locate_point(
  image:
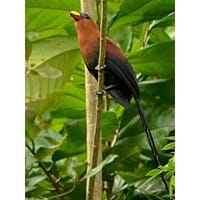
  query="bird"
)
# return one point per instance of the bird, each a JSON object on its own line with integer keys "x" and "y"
{"x": 120, "y": 80}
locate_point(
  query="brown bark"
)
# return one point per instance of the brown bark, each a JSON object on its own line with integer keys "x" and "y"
{"x": 89, "y": 6}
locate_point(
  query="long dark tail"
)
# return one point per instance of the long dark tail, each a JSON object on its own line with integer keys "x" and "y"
{"x": 150, "y": 139}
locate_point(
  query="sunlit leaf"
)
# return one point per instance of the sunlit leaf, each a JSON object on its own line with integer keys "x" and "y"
{"x": 139, "y": 11}
{"x": 109, "y": 159}
{"x": 155, "y": 59}
{"x": 28, "y": 48}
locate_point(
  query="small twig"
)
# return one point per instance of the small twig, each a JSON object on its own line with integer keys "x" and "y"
{"x": 115, "y": 137}
{"x": 98, "y": 14}
{"x": 50, "y": 177}
{"x": 108, "y": 189}
{"x": 147, "y": 33}
{"x": 101, "y": 61}
{"x": 65, "y": 193}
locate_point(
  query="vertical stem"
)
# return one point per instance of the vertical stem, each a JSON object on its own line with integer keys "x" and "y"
{"x": 106, "y": 104}
{"x": 100, "y": 92}
{"x": 146, "y": 34}
{"x": 90, "y": 7}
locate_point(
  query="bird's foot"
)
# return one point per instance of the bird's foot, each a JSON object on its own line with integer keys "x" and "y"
{"x": 100, "y": 93}
{"x": 100, "y": 69}
{"x": 109, "y": 87}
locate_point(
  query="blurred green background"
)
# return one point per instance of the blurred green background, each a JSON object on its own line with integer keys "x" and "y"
{"x": 55, "y": 102}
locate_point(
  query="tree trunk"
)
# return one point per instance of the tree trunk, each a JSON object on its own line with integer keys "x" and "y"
{"x": 90, "y": 7}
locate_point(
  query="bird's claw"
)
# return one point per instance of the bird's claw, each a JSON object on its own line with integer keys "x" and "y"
{"x": 109, "y": 87}
{"x": 98, "y": 69}
{"x": 100, "y": 92}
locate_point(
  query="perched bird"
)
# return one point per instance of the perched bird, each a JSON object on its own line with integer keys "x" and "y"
{"x": 119, "y": 78}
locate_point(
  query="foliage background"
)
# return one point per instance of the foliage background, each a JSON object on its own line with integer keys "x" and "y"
{"x": 55, "y": 102}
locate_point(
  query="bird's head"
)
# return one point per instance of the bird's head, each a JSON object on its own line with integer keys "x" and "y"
{"x": 78, "y": 16}
{"x": 84, "y": 24}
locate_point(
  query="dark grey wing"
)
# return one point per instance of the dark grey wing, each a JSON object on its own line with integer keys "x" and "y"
{"x": 124, "y": 72}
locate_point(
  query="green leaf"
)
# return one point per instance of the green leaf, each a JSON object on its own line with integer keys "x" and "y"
{"x": 49, "y": 14}
{"x": 109, "y": 159}
{"x": 171, "y": 185}
{"x": 38, "y": 107}
{"x": 130, "y": 176}
{"x": 46, "y": 49}
{"x": 72, "y": 167}
{"x": 159, "y": 35}
{"x": 158, "y": 91}
{"x": 154, "y": 172}
{"x": 28, "y": 48}
{"x": 140, "y": 32}
{"x": 48, "y": 72}
{"x": 157, "y": 59}
{"x": 68, "y": 166}
{"x": 74, "y": 143}
{"x": 45, "y": 153}
{"x": 166, "y": 21}
{"x": 124, "y": 42}
{"x": 133, "y": 12}
{"x": 154, "y": 190}
{"x": 39, "y": 87}
{"x": 69, "y": 107}
{"x": 109, "y": 125}
{"x": 171, "y": 138}
{"x": 47, "y": 139}
{"x": 169, "y": 146}
{"x": 31, "y": 128}
{"x": 119, "y": 184}
{"x": 159, "y": 117}
{"x": 50, "y": 66}
{"x": 32, "y": 181}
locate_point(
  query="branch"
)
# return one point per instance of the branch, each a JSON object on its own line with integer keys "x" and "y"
{"x": 65, "y": 193}
{"x": 46, "y": 171}
{"x": 147, "y": 33}
{"x": 100, "y": 92}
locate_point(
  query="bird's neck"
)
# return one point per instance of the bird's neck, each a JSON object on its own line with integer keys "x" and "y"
{"x": 88, "y": 37}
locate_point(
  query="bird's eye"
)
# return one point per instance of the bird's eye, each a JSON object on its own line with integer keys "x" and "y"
{"x": 85, "y": 16}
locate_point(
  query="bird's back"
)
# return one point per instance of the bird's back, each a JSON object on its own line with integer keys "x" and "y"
{"x": 120, "y": 80}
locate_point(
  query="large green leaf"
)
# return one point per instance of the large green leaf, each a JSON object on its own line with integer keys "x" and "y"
{"x": 45, "y": 49}
{"x": 109, "y": 159}
{"x": 69, "y": 107}
{"x": 109, "y": 125}
{"x": 72, "y": 103}
{"x": 157, "y": 59}
{"x": 161, "y": 122}
{"x": 158, "y": 91}
{"x": 44, "y": 15}
{"x": 158, "y": 116}
{"x": 51, "y": 64}
{"x": 74, "y": 143}
{"x": 133, "y": 12}
{"x": 159, "y": 35}
{"x": 169, "y": 20}
{"x": 28, "y": 48}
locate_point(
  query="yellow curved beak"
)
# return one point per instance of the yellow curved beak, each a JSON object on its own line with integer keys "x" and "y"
{"x": 76, "y": 15}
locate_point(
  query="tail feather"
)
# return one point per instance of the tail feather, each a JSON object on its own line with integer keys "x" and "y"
{"x": 150, "y": 138}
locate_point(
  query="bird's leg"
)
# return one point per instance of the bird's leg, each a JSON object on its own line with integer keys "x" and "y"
{"x": 100, "y": 69}
{"x": 100, "y": 93}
